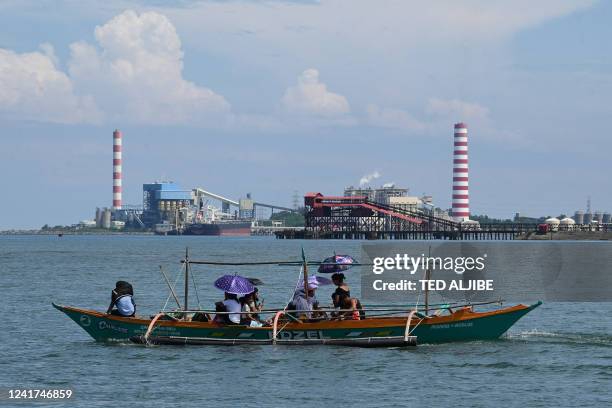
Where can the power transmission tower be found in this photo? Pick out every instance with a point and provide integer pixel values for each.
(296, 200)
(588, 204)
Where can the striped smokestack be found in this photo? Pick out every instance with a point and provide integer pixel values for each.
(461, 192)
(116, 170)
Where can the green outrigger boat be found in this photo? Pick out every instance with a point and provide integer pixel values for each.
(463, 324)
(383, 327)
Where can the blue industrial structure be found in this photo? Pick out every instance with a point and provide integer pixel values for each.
(161, 199)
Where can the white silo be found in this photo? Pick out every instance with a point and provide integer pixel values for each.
(567, 224)
(553, 223)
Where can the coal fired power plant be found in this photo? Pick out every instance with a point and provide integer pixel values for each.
(362, 212)
(167, 208)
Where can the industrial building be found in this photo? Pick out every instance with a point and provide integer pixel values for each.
(164, 201)
(378, 195)
(397, 197)
(589, 217)
(169, 204)
(390, 195)
(598, 217)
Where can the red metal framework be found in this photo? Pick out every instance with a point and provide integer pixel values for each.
(358, 215)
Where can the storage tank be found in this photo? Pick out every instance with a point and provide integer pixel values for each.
(579, 217)
(106, 219)
(553, 223)
(98, 218)
(607, 218)
(598, 216)
(567, 224)
(588, 217)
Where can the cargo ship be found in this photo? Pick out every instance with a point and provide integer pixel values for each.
(221, 228)
(216, 228)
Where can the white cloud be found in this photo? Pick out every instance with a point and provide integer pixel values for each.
(133, 72)
(311, 97)
(373, 50)
(443, 113)
(438, 117)
(33, 88)
(457, 110)
(133, 75)
(326, 29)
(136, 75)
(393, 119)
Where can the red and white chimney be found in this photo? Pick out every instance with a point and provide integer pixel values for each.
(116, 170)
(461, 190)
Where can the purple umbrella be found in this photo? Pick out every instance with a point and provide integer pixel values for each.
(336, 263)
(235, 284)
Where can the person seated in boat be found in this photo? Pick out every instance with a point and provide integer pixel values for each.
(220, 316)
(343, 301)
(306, 308)
(255, 304)
(122, 300)
(201, 317)
(231, 308)
(247, 307)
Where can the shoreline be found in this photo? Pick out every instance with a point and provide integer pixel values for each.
(58, 232)
(567, 236)
(593, 236)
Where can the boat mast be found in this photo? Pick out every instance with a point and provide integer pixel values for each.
(305, 275)
(427, 277)
(186, 281)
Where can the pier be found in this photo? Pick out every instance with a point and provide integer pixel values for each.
(331, 217)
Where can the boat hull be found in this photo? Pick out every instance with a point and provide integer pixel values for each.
(462, 325)
(230, 228)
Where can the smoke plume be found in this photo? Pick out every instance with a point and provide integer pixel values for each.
(368, 178)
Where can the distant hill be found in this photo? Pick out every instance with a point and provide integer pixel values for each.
(290, 219)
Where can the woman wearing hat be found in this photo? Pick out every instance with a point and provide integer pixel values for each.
(305, 306)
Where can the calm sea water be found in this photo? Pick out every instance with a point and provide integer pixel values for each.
(559, 355)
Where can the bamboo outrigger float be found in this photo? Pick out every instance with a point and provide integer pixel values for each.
(383, 326)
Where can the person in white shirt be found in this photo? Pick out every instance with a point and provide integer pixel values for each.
(233, 307)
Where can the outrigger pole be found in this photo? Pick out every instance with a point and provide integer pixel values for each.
(277, 263)
(176, 299)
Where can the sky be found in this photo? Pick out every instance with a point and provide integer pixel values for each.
(274, 97)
